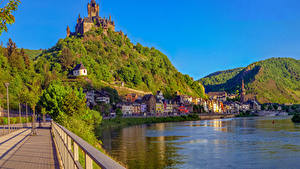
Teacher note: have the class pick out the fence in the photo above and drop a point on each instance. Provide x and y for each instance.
(13, 113)
(5, 129)
(68, 145)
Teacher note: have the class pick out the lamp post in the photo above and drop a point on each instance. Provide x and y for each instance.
(8, 118)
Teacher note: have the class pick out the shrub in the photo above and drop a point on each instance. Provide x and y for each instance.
(296, 118)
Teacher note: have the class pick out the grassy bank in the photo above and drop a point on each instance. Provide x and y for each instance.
(245, 114)
(126, 122)
(14, 120)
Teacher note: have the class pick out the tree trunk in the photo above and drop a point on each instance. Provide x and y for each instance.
(44, 118)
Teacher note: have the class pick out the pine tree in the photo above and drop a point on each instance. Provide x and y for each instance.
(14, 57)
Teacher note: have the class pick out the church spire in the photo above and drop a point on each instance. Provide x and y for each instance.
(243, 92)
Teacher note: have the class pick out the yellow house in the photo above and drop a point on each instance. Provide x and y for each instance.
(159, 108)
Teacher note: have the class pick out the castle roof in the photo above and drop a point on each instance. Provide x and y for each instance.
(79, 67)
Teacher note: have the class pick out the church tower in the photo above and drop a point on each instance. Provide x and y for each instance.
(93, 9)
(243, 92)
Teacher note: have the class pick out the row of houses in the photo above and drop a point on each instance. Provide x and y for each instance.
(151, 105)
(156, 105)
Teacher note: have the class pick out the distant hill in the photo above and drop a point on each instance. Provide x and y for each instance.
(33, 53)
(275, 80)
(112, 57)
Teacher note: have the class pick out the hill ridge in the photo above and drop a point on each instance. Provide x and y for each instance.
(271, 80)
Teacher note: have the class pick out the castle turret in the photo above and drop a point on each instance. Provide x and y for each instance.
(93, 9)
(68, 31)
(79, 19)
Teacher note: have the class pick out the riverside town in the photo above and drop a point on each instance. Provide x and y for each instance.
(96, 84)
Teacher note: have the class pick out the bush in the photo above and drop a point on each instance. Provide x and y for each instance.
(296, 118)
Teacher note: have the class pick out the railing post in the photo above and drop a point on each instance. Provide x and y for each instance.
(69, 146)
(69, 143)
(88, 162)
(76, 154)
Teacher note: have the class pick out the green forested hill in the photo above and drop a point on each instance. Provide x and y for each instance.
(275, 80)
(112, 57)
(218, 78)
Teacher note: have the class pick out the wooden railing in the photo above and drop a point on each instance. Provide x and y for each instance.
(6, 129)
(68, 145)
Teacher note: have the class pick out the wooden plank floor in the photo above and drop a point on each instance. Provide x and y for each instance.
(23, 151)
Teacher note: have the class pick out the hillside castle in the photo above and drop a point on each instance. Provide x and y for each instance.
(93, 20)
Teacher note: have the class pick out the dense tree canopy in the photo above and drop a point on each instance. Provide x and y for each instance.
(112, 57)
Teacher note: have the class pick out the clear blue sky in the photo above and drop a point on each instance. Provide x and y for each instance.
(199, 36)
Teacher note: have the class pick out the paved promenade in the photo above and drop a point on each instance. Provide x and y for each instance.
(20, 150)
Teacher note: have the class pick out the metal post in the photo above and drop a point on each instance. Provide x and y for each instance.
(26, 113)
(33, 128)
(20, 113)
(8, 118)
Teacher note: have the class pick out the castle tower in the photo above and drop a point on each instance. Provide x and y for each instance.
(79, 19)
(68, 31)
(93, 9)
(243, 93)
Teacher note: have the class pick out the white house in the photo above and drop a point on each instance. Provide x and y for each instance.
(90, 98)
(103, 99)
(127, 110)
(80, 70)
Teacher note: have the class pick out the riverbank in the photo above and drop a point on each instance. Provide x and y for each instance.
(126, 122)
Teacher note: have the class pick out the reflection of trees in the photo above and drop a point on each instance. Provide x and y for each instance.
(134, 148)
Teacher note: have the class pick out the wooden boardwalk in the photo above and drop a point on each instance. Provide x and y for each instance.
(20, 150)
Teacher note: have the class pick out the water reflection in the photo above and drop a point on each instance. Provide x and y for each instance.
(143, 146)
(229, 143)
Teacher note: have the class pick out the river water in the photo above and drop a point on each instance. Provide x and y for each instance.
(229, 143)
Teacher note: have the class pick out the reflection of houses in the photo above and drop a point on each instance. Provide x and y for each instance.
(79, 70)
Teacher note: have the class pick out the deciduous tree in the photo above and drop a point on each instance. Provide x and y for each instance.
(6, 16)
